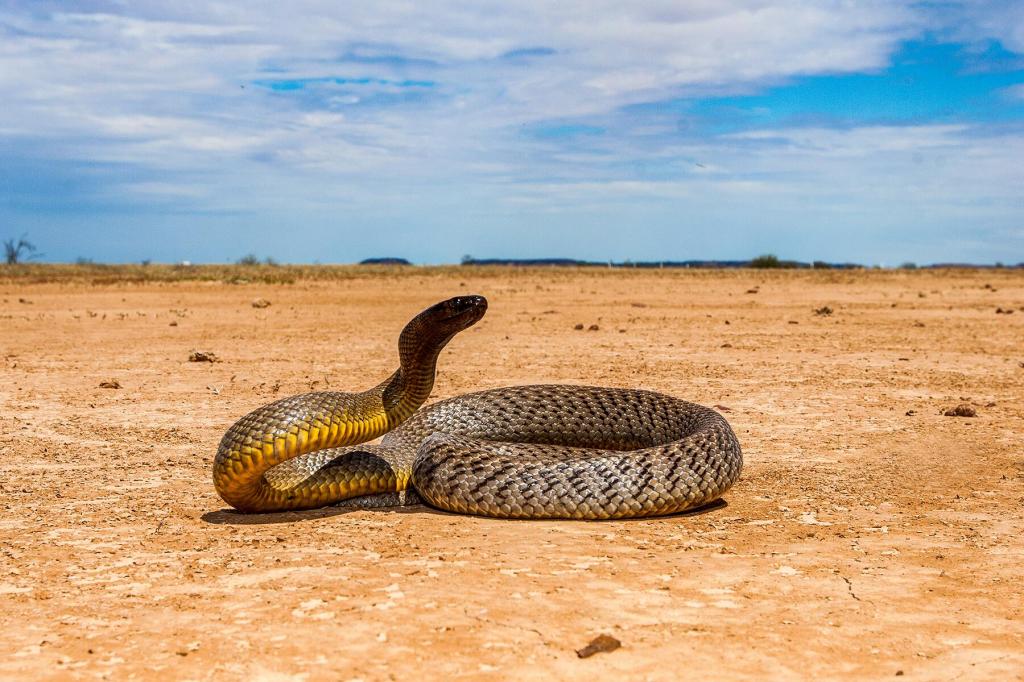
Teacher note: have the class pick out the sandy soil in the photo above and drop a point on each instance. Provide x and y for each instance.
(870, 536)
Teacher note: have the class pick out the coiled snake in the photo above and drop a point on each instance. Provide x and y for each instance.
(553, 451)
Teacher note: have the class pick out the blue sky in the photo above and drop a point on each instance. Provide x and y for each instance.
(316, 131)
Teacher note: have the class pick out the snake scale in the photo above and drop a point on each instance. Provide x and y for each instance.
(548, 451)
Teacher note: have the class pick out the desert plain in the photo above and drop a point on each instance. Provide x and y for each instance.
(870, 536)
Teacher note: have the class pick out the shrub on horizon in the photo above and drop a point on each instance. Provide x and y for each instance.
(768, 260)
(15, 251)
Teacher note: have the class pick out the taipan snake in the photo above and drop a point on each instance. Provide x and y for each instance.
(554, 451)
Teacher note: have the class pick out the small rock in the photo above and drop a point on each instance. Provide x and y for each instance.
(1004, 311)
(202, 356)
(726, 345)
(961, 410)
(260, 303)
(578, 327)
(639, 305)
(110, 383)
(25, 301)
(593, 328)
(911, 413)
(600, 644)
(823, 311)
(173, 323)
(752, 291)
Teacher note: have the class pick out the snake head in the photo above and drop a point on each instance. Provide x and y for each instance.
(462, 311)
(427, 333)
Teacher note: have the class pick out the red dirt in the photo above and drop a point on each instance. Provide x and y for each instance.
(870, 536)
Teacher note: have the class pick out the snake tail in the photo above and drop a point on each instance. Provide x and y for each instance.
(244, 473)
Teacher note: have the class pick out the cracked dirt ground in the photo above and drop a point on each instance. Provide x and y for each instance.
(869, 537)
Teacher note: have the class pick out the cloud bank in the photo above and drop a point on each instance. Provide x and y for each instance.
(311, 130)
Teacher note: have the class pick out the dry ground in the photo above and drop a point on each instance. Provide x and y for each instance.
(869, 537)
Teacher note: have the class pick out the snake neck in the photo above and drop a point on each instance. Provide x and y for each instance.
(298, 425)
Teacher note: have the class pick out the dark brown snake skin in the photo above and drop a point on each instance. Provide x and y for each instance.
(548, 451)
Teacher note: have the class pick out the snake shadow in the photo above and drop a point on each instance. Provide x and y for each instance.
(231, 517)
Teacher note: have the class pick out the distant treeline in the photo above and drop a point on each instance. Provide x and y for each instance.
(385, 261)
(766, 261)
(760, 262)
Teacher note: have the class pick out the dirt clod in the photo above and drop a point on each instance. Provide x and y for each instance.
(202, 356)
(961, 410)
(600, 644)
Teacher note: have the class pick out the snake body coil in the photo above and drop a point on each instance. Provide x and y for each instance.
(550, 451)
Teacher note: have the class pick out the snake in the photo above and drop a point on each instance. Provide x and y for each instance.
(555, 451)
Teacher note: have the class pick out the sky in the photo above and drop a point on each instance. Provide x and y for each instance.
(874, 131)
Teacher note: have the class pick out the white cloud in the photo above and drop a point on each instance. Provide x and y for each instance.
(983, 20)
(861, 141)
(74, 70)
